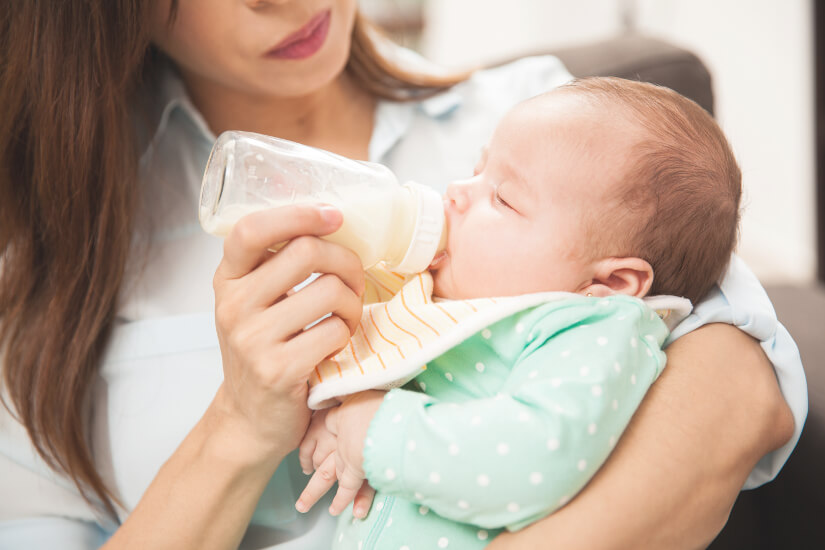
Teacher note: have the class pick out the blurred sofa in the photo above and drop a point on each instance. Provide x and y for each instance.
(788, 513)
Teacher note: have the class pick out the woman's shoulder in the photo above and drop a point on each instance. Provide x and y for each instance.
(438, 139)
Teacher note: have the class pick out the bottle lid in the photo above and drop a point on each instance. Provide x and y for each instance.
(426, 235)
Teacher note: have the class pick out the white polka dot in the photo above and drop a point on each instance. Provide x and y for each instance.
(389, 396)
(368, 442)
(633, 379)
(448, 376)
(591, 429)
(621, 317)
(389, 522)
(483, 480)
(536, 478)
(443, 542)
(552, 444)
(596, 390)
(502, 448)
(565, 353)
(582, 465)
(423, 510)
(431, 421)
(564, 500)
(634, 342)
(612, 441)
(463, 504)
(480, 367)
(499, 396)
(604, 303)
(453, 449)
(475, 421)
(617, 367)
(417, 495)
(650, 338)
(410, 445)
(555, 382)
(405, 547)
(340, 537)
(649, 352)
(513, 507)
(519, 328)
(615, 405)
(558, 408)
(584, 371)
(486, 334)
(389, 473)
(533, 374)
(652, 315)
(397, 418)
(423, 386)
(524, 416)
(435, 477)
(482, 534)
(601, 340)
(360, 544)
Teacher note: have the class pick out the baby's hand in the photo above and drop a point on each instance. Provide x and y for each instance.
(348, 423)
(318, 443)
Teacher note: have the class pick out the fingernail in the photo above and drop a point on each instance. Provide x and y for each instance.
(359, 512)
(332, 511)
(300, 506)
(307, 472)
(330, 214)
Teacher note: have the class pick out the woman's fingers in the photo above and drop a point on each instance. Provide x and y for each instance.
(327, 294)
(296, 261)
(317, 343)
(321, 481)
(245, 246)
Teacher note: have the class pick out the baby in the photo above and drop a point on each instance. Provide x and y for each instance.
(582, 195)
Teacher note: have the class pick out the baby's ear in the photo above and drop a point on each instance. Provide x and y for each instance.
(630, 276)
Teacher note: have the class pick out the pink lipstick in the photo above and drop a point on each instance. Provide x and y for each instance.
(305, 41)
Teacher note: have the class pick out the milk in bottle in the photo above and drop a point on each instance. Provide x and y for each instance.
(383, 221)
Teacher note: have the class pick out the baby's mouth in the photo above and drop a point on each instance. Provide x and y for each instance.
(439, 259)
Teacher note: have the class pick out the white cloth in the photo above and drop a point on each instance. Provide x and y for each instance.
(163, 365)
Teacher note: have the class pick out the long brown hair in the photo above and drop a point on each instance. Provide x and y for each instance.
(69, 76)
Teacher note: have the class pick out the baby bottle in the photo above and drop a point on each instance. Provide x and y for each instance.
(383, 220)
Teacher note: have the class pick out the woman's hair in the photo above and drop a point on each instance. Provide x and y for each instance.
(70, 73)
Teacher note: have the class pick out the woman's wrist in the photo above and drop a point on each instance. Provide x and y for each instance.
(228, 436)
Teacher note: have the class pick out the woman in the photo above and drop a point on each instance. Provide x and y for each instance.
(109, 358)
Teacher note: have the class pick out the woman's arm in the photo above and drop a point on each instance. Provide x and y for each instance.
(204, 495)
(677, 470)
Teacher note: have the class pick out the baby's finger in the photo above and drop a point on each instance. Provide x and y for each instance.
(348, 486)
(305, 454)
(363, 500)
(342, 499)
(321, 481)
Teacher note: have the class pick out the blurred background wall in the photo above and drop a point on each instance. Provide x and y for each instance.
(759, 52)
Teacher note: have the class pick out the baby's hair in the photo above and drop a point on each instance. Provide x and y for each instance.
(678, 206)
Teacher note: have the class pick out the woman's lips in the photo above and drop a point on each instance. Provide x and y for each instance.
(305, 41)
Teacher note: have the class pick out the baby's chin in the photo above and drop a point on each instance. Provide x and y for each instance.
(441, 286)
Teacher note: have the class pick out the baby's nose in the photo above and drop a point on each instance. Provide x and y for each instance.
(458, 195)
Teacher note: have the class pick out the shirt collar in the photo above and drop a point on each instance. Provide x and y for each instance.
(392, 119)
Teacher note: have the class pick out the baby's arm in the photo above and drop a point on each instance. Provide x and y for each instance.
(508, 460)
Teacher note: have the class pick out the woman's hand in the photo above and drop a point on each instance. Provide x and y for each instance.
(268, 354)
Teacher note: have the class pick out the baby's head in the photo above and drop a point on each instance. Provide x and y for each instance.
(592, 188)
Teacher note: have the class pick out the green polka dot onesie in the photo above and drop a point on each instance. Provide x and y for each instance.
(506, 427)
